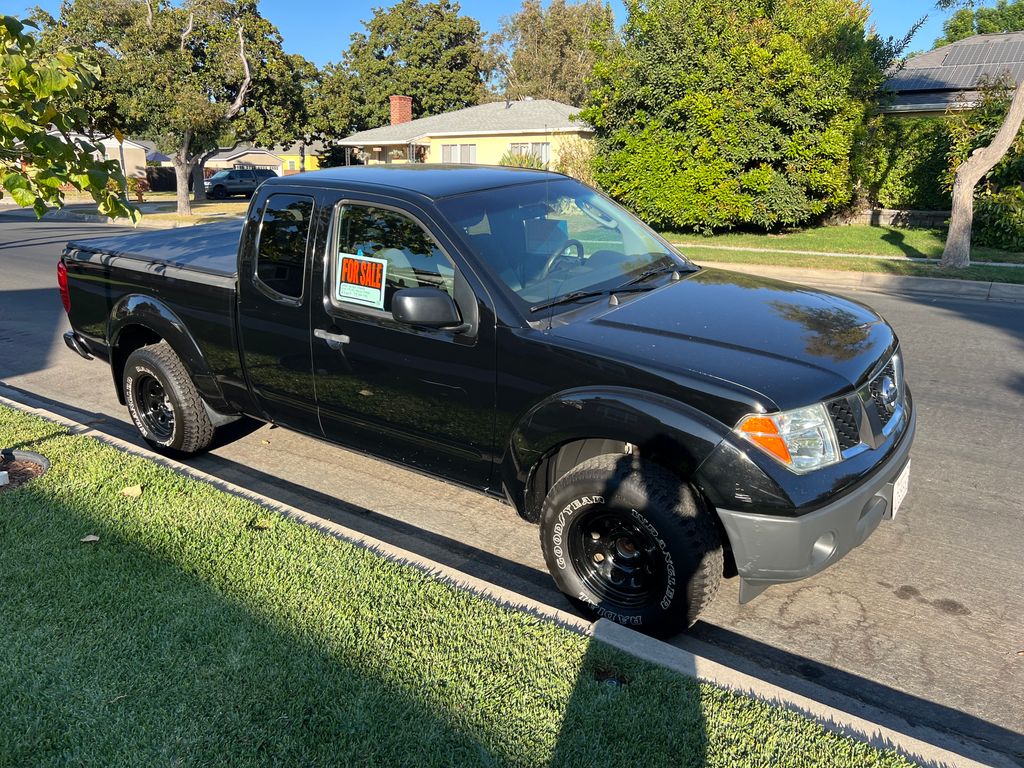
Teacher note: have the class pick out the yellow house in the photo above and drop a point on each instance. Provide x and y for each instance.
(299, 157)
(478, 135)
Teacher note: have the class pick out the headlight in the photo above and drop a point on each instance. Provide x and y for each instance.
(802, 439)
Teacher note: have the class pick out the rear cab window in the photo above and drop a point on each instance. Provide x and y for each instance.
(378, 251)
(281, 246)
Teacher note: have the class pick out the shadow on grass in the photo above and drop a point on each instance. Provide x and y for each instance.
(142, 650)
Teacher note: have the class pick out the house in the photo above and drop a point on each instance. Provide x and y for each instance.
(154, 157)
(475, 135)
(131, 155)
(244, 157)
(947, 79)
(299, 156)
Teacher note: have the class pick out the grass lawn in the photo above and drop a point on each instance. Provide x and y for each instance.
(856, 239)
(883, 266)
(203, 630)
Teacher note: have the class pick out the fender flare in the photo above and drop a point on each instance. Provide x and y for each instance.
(669, 431)
(136, 309)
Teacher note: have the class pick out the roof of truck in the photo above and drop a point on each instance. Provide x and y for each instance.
(429, 180)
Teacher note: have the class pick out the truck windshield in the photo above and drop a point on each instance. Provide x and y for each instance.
(554, 239)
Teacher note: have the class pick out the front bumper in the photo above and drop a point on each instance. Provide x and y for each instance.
(774, 550)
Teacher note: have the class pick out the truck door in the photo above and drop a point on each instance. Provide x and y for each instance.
(420, 396)
(273, 308)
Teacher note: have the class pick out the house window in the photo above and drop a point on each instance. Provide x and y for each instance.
(291, 165)
(458, 153)
(519, 149)
(541, 150)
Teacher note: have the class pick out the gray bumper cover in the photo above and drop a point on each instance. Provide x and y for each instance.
(774, 550)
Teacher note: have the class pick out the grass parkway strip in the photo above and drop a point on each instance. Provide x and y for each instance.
(203, 629)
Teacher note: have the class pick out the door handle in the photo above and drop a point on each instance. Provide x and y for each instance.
(334, 340)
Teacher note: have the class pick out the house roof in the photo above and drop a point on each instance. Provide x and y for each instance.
(949, 77)
(152, 153)
(496, 117)
(230, 153)
(312, 148)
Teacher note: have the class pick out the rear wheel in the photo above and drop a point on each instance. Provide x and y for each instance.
(164, 403)
(629, 541)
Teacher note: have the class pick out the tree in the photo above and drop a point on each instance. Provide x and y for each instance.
(957, 252)
(44, 146)
(1006, 16)
(428, 51)
(716, 114)
(187, 76)
(550, 53)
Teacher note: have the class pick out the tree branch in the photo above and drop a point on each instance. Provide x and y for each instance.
(149, 13)
(188, 31)
(246, 81)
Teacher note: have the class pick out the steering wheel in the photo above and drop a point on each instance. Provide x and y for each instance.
(559, 252)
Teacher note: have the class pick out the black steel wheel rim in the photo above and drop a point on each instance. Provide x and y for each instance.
(154, 407)
(617, 559)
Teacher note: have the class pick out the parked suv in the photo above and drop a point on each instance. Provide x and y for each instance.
(237, 181)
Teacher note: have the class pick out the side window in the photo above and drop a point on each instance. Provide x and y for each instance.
(281, 249)
(379, 251)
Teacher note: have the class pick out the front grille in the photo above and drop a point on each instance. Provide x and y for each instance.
(875, 389)
(845, 423)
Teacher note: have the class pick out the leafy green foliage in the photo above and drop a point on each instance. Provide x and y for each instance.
(189, 77)
(1005, 16)
(522, 160)
(576, 159)
(999, 203)
(429, 51)
(550, 52)
(42, 146)
(903, 163)
(720, 114)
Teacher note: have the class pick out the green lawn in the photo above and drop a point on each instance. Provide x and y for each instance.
(203, 630)
(883, 266)
(855, 239)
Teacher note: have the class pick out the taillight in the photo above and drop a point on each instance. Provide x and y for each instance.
(62, 283)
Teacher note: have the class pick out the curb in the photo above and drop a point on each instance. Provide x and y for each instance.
(66, 215)
(871, 281)
(844, 716)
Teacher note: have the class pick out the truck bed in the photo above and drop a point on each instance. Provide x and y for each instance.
(209, 249)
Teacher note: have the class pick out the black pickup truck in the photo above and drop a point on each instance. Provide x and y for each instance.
(517, 332)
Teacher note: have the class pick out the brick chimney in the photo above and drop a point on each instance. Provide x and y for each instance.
(401, 109)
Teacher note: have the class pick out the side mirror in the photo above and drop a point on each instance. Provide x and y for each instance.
(426, 307)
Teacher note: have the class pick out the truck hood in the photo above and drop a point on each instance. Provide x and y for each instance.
(788, 344)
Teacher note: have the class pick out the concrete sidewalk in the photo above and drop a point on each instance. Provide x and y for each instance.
(878, 283)
(833, 711)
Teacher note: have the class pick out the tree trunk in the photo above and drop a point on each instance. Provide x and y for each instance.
(181, 170)
(958, 244)
(198, 176)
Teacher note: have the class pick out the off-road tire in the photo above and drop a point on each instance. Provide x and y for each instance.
(683, 552)
(191, 430)
(217, 193)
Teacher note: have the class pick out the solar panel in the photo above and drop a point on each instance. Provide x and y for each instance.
(985, 53)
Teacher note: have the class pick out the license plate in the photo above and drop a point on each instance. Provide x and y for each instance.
(900, 488)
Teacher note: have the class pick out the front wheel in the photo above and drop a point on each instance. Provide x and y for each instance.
(217, 193)
(164, 403)
(629, 541)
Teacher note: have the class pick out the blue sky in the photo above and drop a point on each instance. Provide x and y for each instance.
(320, 29)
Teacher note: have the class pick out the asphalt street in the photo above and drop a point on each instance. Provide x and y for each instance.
(926, 619)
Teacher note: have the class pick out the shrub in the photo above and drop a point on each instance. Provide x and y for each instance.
(719, 113)
(999, 219)
(526, 160)
(902, 163)
(576, 159)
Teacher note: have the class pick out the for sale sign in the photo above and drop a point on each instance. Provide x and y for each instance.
(361, 280)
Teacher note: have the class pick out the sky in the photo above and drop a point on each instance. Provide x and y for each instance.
(320, 29)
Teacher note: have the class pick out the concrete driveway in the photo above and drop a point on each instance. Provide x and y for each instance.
(926, 619)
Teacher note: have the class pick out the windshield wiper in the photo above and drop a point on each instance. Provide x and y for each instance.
(664, 269)
(569, 298)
